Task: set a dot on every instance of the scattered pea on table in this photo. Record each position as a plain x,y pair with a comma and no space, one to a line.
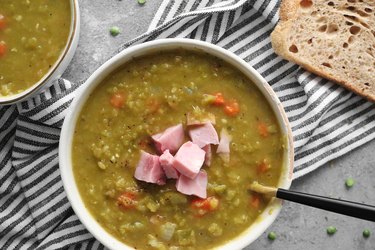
141,2
331,230
272,236
349,182
366,233
114,31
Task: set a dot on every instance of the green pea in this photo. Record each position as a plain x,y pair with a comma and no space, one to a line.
349,182
114,31
272,236
366,233
141,2
331,230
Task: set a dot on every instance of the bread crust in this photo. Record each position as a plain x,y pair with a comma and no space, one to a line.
288,9
288,14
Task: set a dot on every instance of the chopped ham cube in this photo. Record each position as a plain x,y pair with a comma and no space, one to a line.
223,149
149,169
172,138
208,156
192,119
196,186
189,159
166,161
204,134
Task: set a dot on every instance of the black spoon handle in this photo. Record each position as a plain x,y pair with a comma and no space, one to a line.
349,208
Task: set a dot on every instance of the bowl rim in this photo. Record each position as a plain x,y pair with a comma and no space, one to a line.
65,145
30,91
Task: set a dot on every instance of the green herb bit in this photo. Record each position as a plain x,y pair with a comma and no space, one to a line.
208,99
331,230
271,236
349,182
141,2
366,233
114,31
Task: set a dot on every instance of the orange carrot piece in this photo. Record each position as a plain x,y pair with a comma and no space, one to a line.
219,99
2,22
232,108
153,104
263,167
255,201
3,48
263,129
204,206
127,200
117,100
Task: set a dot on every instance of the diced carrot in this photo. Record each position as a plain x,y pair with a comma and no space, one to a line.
255,201
153,104
2,22
263,167
117,100
3,48
232,108
262,129
127,200
219,99
203,206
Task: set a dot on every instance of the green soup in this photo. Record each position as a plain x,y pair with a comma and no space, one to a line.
144,97
33,34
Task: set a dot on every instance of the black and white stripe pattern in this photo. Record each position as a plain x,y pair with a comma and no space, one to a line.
327,121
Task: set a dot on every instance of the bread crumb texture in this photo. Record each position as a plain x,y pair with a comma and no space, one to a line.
332,38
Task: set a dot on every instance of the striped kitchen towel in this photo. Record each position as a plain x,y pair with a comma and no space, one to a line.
327,121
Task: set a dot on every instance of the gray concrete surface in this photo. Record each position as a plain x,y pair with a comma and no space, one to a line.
298,227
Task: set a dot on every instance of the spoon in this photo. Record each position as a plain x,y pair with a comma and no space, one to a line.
353,209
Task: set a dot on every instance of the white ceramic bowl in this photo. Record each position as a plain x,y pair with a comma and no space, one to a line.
60,65
65,147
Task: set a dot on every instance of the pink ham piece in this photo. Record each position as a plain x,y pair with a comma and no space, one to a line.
196,186
166,161
149,169
204,134
189,159
172,138
223,149
208,156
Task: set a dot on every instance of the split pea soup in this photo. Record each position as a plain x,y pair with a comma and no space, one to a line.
144,97
33,34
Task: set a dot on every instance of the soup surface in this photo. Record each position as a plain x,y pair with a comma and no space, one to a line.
33,34
144,97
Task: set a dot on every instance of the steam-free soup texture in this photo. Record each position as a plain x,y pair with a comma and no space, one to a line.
33,34
144,97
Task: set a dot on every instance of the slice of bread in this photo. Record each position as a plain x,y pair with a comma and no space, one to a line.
331,38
